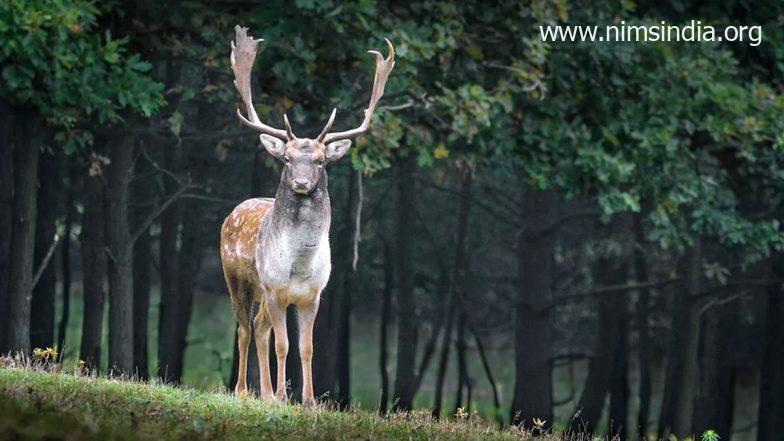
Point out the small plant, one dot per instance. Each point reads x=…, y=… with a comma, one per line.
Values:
x=710, y=435
x=82, y=368
x=46, y=356
x=538, y=423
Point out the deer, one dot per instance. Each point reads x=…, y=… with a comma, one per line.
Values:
x=275, y=251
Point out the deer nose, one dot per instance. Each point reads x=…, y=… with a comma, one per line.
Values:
x=301, y=183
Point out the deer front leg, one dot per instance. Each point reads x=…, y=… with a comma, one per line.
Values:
x=261, y=327
x=277, y=315
x=306, y=316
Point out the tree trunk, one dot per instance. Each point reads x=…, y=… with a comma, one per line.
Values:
x=533, y=339
x=170, y=294
x=20, y=279
x=6, y=208
x=458, y=286
x=343, y=368
x=678, y=396
x=143, y=193
x=343, y=328
x=189, y=261
x=65, y=253
x=489, y=374
x=462, y=366
x=443, y=360
x=93, y=247
x=383, y=331
x=42, y=305
x=606, y=368
x=644, y=339
x=176, y=309
x=142, y=258
x=619, y=386
x=118, y=238
x=324, y=355
x=406, y=308
x=713, y=404
x=771, y=401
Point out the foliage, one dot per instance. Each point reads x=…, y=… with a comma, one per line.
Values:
x=710, y=435
x=54, y=57
x=670, y=128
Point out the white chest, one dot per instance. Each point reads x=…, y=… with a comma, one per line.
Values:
x=295, y=259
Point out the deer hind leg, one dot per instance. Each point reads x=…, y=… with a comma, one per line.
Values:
x=306, y=316
x=277, y=315
x=243, y=341
x=240, y=302
x=261, y=328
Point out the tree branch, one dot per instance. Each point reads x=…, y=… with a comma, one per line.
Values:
x=157, y=212
x=357, y=221
x=560, y=300
x=47, y=258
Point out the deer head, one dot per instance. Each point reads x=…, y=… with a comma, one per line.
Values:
x=304, y=158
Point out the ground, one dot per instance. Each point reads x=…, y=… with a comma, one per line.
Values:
x=209, y=352
x=41, y=404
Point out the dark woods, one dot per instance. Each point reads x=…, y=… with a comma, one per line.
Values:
x=552, y=235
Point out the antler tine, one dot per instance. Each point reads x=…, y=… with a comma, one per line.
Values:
x=328, y=126
x=383, y=68
x=243, y=53
x=289, y=132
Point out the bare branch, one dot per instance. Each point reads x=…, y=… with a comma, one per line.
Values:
x=357, y=220
x=718, y=302
x=158, y=211
x=47, y=258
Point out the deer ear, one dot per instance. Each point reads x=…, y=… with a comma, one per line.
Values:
x=336, y=150
x=273, y=145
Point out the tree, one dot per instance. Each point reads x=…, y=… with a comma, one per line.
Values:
x=42, y=303
x=58, y=69
x=93, y=252
x=6, y=202
x=120, y=251
x=607, y=371
x=142, y=193
x=20, y=281
x=533, y=390
x=771, y=408
x=403, y=395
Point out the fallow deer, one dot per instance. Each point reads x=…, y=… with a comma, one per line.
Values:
x=276, y=251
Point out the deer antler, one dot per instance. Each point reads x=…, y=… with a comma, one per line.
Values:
x=383, y=68
x=243, y=53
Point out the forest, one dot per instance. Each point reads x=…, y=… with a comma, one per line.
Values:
x=553, y=235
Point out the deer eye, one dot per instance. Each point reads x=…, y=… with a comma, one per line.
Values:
x=287, y=159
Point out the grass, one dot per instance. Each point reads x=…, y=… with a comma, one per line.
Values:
x=38, y=403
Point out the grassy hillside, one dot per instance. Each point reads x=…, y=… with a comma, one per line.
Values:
x=36, y=404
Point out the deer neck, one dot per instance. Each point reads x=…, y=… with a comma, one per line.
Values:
x=301, y=222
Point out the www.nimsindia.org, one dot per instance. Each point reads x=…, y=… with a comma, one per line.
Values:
x=662, y=32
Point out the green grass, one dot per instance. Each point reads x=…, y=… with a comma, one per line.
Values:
x=36, y=404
